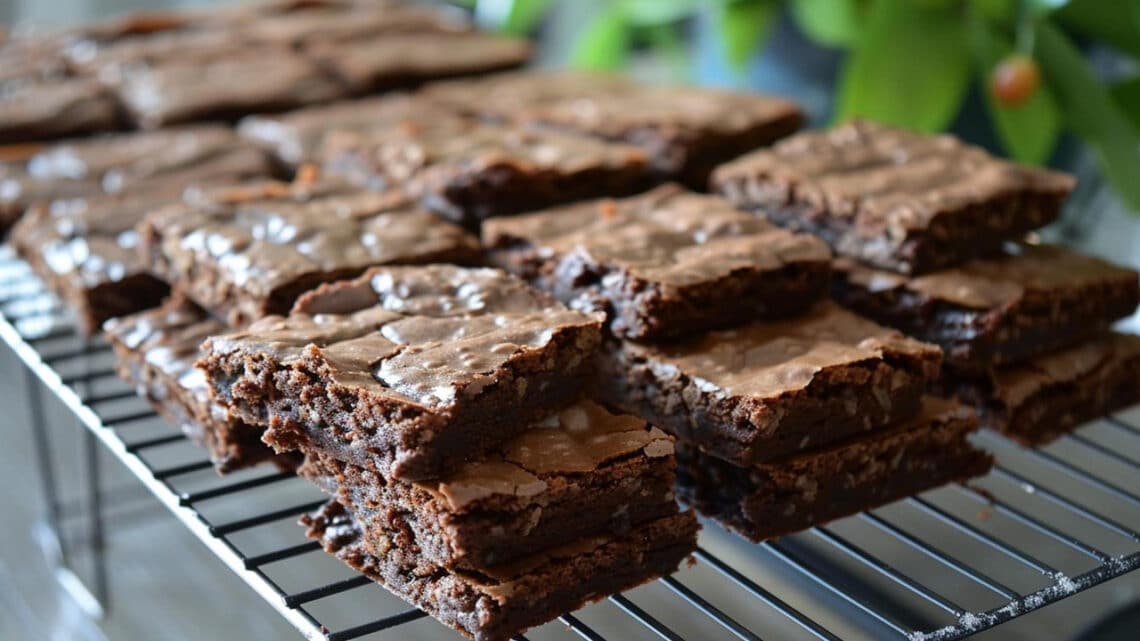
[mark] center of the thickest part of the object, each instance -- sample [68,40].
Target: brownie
[19,189]
[108,59]
[898,200]
[86,248]
[813,487]
[581,472]
[666,264]
[251,257]
[768,389]
[296,136]
[685,130]
[470,171]
[340,21]
[54,108]
[178,155]
[407,371]
[1041,399]
[257,79]
[155,352]
[404,60]
[993,312]
[495,605]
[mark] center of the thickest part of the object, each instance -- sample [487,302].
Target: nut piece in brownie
[813,487]
[895,199]
[665,264]
[581,472]
[1041,399]
[255,253]
[993,312]
[501,602]
[53,108]
[405,60]
[470,171]
[295,137]
[685,130]
[155,352]
[408,371]
[258,78]
[768,389]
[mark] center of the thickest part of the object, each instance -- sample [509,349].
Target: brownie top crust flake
[426,334]
[993,283]
[577,440]
[669,235]
[766,360]
[257,249]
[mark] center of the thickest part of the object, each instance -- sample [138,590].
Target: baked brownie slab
[665,264]
[765,390]
[257,79]
[295,137]
[811,488]
[1041,399]
[895,199]
[405,60]
[581,472]
[54,108]
[496,604]
[406,371]
[155,352]
[993,312]
[685,130]
[470,171]
[255,254]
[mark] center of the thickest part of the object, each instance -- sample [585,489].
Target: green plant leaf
[833,23]
[524,16]
[744,26]
[1091,112]
[1116,22]
[1029,131]
[1002,12]
[1127,96]
[605,43]
[655,12]
[910,66]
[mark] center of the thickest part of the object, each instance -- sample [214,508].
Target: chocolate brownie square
[765,390]
[55,108]
[581,472]
[407,371]
[254,254]
[295,137]
[499,603]
[899,200]
[256,79]
[341,21]
[685,130]
[1041,399]
[405,60]
[993,312]
[155,352]
[866,471]
[86,251]
[470,171]
[665,264]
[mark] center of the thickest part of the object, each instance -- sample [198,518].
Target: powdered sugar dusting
[1060,587]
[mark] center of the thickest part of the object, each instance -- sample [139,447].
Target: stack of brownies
[789,411]
[929,236]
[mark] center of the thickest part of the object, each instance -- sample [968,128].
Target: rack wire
[1044,525]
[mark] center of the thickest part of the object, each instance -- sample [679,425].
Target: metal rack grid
[1044,525]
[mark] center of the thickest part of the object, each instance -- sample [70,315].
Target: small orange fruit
[1014,79]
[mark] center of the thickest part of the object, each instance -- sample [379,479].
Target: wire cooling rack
[1043,525]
